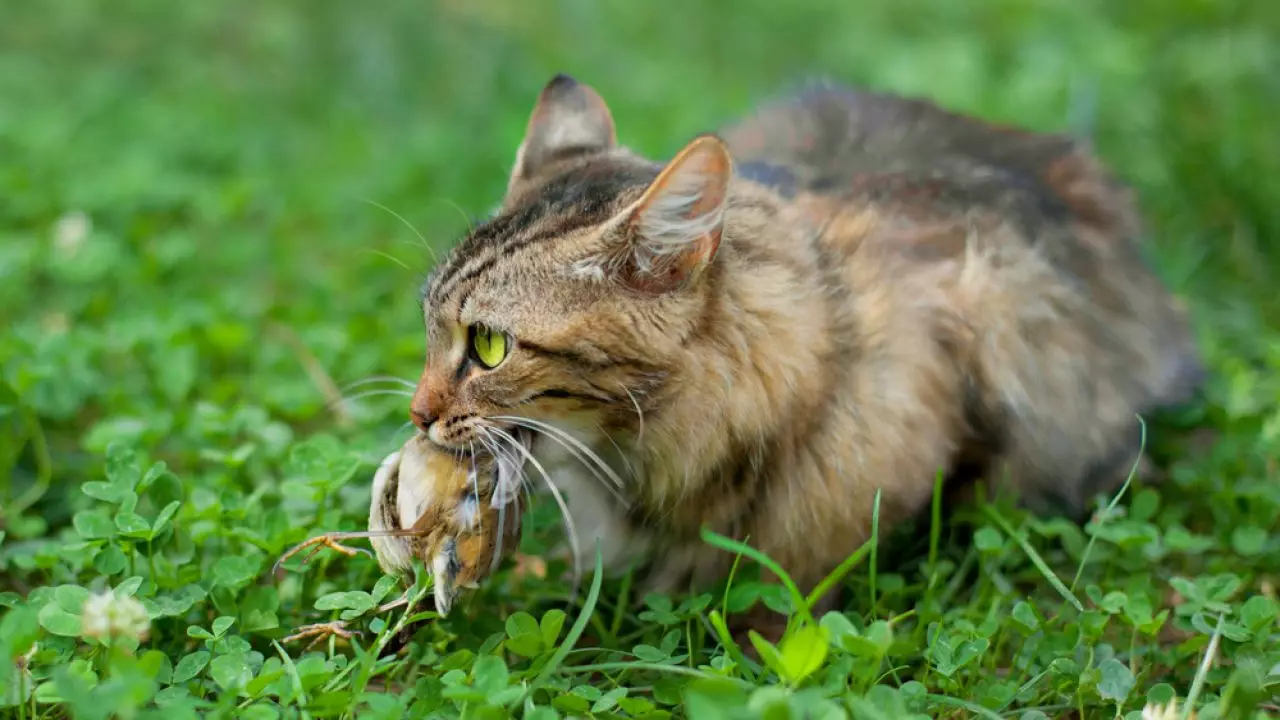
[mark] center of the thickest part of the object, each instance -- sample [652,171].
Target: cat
[845,292]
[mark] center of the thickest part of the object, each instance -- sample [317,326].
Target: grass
[201,246]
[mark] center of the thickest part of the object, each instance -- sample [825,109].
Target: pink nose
[421,419]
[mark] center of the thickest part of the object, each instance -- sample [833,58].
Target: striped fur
[866,291]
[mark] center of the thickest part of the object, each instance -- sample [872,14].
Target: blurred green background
[218,170]
[226,153]
[215,168]
[199,241]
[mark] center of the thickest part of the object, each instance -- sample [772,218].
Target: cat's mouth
[497,457]
[484,443]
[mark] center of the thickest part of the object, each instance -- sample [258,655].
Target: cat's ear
[569,117]
[670,235]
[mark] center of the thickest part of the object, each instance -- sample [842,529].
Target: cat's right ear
[569,118]
[664,241]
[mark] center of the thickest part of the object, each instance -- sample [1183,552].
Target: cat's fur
[847,292]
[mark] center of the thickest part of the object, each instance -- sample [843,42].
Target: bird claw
[338,628]
[322,631]
[317,543]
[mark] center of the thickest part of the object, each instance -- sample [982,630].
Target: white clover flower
[1164,712]
[106,616]
[94,620]
[70,232]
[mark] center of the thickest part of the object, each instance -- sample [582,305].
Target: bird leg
[338,628]
[330,540]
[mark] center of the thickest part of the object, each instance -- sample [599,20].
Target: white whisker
[430,250]
[582,456]
[475,484]
[549,430]
[639,412]
[406,426]
[475,474]
[498,449]
[380,379]
[495,448]
[559,498]
[631,470]
[497,545]
[394,441]
[501,492]
[372,393]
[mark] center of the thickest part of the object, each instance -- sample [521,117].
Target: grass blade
[1088,549]
[875,543]
[1197,685]
[730,545]
[1036,560]
[839,573]
[575,632]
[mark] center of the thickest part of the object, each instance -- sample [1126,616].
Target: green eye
[488,346]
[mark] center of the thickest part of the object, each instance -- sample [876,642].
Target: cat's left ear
[570,117]
[668,237]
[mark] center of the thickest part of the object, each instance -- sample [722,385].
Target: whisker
[484,439]
[494,447]
[631,470]
[549,428]
[639,412]
[372,393]
[501,454]
[465,217]
[408,424]
[475,484]
[504,452]
[498,449]
[345,403]
[376,457]
[380,379]
[388,256]
[582,458]
[559,498]
[409,225]
[497,545]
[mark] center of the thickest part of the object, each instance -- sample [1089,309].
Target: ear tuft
[568,117]
[673,231]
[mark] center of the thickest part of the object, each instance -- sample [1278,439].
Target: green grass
[193,246]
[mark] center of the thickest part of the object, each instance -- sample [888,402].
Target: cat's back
[918,159]
[1020,243]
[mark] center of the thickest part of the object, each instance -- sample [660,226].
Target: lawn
[214,218]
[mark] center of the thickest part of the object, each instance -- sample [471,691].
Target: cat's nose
[422,419]
[428,402]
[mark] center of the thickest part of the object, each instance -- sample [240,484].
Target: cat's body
[851,292]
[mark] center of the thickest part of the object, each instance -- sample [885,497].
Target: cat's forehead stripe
[563,205]
[480,259]
[582,197]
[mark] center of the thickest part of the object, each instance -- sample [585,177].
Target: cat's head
[572,304]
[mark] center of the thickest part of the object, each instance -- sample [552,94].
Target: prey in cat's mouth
[458,514]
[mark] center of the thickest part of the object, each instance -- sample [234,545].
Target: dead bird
[446,510]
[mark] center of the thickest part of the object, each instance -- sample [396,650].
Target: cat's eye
[488,346]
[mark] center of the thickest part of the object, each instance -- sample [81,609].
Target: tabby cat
[845,293]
